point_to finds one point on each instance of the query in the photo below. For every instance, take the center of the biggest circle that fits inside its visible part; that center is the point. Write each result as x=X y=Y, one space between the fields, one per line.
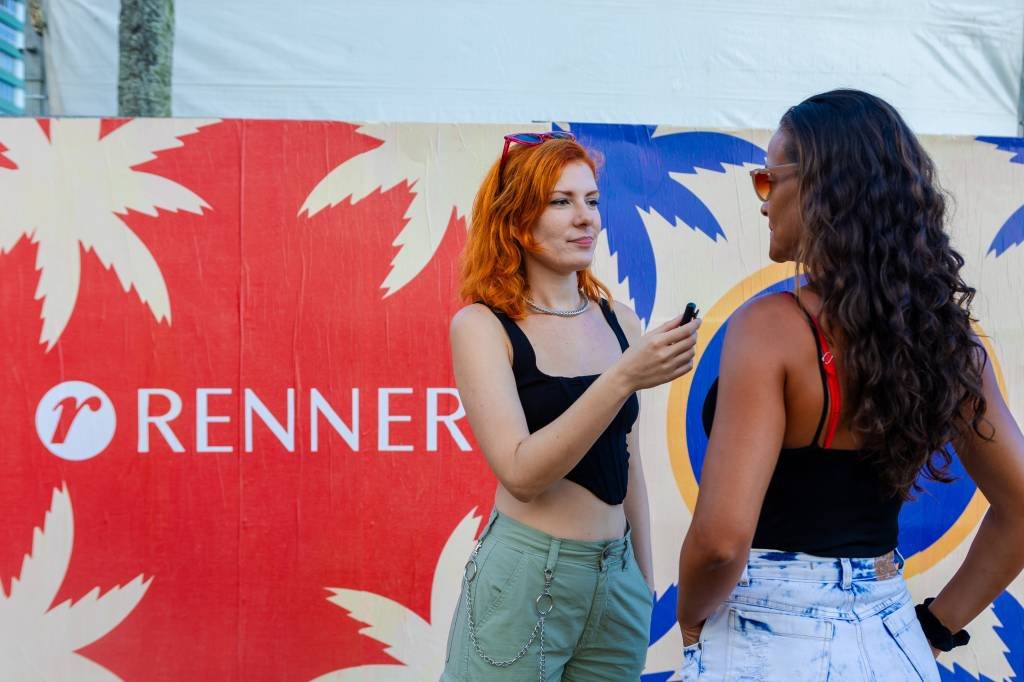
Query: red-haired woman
x=547 y=366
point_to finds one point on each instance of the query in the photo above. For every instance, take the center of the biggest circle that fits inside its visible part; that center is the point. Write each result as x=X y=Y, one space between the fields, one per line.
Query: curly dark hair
x=875 y=250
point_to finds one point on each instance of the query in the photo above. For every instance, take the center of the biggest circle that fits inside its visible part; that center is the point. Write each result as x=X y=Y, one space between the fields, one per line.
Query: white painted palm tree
x=417 y=645
x=38 y=642
x=442 y=164
x=66 y=193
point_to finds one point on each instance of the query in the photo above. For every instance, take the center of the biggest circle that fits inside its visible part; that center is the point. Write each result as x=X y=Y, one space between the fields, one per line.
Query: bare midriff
x=565 y=510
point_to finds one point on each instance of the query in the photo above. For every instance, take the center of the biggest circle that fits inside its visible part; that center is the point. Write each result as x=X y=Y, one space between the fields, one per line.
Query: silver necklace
x=584 y=304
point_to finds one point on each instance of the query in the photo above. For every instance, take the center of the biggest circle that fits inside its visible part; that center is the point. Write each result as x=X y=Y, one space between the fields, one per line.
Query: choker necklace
x=584 y=304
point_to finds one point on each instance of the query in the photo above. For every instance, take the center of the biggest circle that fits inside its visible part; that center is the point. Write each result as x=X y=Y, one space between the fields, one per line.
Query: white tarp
x=951 y=67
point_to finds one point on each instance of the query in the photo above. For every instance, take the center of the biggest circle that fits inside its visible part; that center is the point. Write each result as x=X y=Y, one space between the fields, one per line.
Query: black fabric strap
x=826 y=396
x=524 y=359
x=613 y=321
x=937 y=634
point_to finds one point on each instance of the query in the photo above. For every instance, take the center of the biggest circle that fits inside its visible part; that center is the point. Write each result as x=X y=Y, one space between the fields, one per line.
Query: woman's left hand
x=691 y=633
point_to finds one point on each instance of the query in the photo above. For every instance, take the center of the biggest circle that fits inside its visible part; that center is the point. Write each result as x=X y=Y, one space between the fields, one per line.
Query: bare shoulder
x=628 y=320
x=769 y=324
x=475 y=318
x=476 y=328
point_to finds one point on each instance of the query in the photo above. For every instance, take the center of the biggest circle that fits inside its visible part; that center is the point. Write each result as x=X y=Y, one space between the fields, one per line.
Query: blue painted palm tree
x=636 y=176
x=1012 y=231
x=663 y=619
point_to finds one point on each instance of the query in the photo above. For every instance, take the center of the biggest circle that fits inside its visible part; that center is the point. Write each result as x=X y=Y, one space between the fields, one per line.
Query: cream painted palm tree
x=417 y=645
x=443 y=166
x=66 y=193
x=38 y=642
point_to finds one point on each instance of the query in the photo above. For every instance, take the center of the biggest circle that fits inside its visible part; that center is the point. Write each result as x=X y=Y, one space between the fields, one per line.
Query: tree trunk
x=146 y=37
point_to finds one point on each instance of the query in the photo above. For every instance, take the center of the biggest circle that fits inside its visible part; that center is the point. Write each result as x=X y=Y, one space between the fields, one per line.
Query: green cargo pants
x=535 y=607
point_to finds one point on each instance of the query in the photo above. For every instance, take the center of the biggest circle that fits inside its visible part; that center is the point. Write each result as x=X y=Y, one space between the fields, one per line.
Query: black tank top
x=822 y=500
x=604 y=470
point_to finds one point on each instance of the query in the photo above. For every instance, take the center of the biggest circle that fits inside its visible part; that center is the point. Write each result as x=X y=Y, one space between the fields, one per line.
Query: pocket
x=639 y=575
x=507 y=628
x=691 y=661
x=496 y=578
x=628 y=606
x=903 y=627
x=647 y=588
x=458 y=616
x=771 y=645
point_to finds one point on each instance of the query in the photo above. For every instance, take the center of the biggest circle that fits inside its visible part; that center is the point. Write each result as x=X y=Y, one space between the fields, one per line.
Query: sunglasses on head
x=528 y=140
x=764 y=177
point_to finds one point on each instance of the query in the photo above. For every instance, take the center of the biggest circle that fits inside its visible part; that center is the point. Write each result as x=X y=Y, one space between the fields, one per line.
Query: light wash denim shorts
x=798 y=617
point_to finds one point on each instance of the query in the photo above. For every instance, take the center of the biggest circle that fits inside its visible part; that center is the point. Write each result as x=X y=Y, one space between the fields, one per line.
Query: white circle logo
x=75 y=420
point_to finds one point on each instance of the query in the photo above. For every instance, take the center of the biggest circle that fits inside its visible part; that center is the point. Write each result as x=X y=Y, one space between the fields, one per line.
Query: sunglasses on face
x=528 y=140
x=764 y=177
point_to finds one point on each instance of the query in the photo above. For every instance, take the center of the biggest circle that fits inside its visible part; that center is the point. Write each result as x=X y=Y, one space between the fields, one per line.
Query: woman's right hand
x=660 y=355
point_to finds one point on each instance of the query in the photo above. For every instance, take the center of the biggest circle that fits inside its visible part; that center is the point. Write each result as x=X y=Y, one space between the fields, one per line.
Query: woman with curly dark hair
x=831 y=402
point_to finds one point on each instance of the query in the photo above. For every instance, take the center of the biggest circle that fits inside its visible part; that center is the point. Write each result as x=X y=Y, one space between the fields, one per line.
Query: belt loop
x=626 y=546
x=490 y=524
x=846 y=571
x=556 y=544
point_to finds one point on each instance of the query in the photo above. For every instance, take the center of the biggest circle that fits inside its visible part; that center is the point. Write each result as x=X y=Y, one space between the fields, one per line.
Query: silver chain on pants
x=543 y=605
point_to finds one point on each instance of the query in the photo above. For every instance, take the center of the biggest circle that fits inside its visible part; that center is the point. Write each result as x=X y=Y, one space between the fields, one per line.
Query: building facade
x=12 y=62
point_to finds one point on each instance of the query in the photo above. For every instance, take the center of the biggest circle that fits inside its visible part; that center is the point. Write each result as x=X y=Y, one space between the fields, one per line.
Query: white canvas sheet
x=952 y=67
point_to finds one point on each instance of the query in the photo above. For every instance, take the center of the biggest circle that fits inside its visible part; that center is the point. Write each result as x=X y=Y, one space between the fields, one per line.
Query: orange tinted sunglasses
x=764 y=177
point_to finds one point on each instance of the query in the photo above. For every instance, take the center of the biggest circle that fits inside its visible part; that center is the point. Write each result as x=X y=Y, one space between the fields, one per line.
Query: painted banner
x=232 y=447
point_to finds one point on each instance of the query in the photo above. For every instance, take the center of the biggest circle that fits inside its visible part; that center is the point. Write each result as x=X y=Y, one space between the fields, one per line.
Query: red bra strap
x=828 y=363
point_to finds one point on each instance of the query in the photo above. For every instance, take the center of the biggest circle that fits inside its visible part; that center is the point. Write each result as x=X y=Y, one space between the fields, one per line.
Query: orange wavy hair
x=501 y=226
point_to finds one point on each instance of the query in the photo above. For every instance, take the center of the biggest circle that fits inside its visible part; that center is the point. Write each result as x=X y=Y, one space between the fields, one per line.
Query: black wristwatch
x=937 y=634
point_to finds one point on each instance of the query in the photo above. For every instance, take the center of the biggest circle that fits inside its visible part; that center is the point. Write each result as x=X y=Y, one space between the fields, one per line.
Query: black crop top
x=822 y=500
x=604 y=470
